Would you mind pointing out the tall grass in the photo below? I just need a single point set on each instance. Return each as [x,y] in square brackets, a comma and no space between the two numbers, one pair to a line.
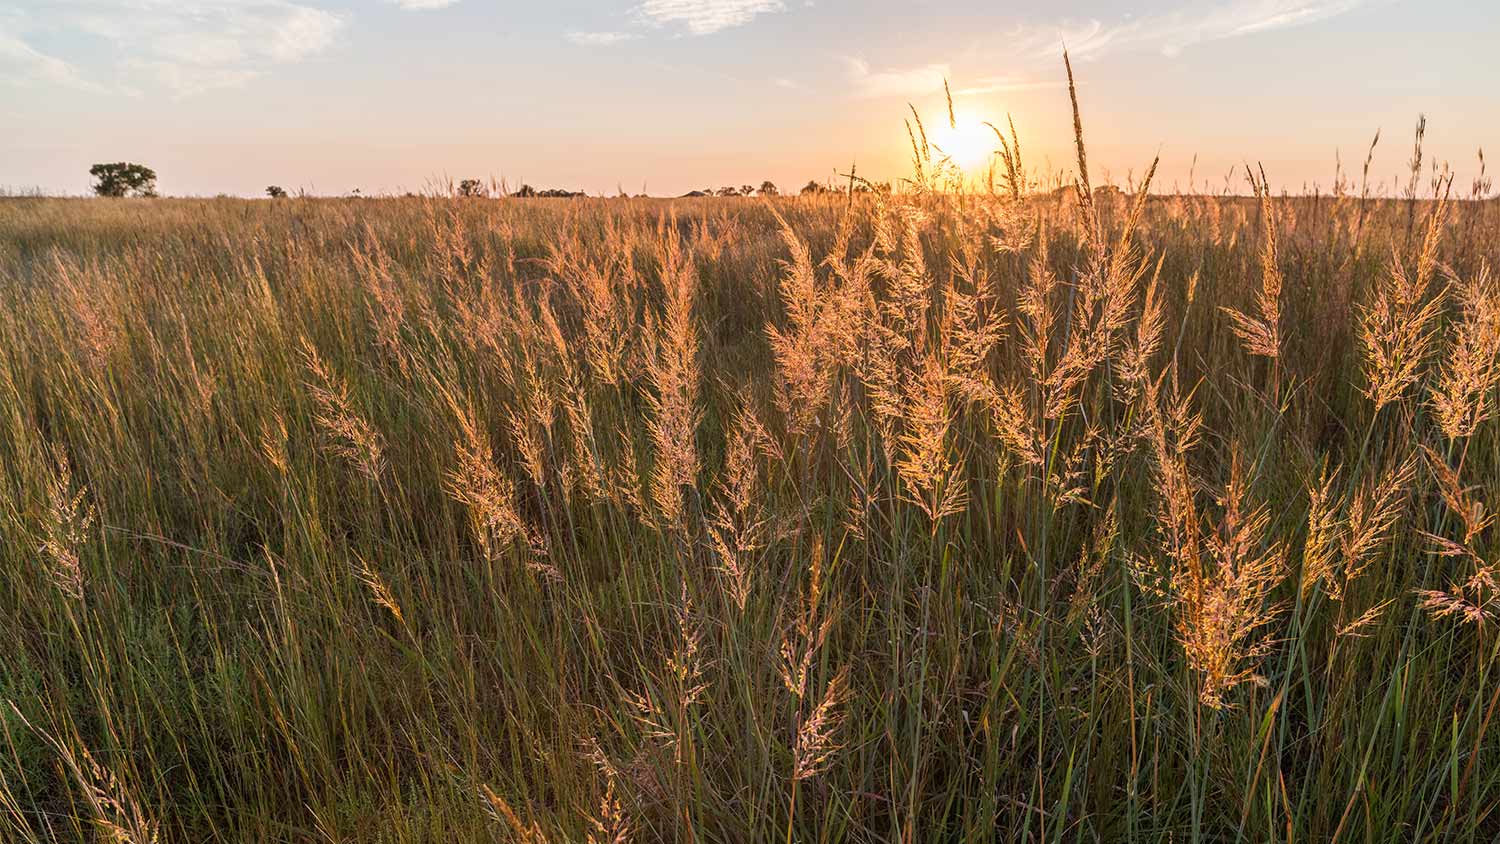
[943,515]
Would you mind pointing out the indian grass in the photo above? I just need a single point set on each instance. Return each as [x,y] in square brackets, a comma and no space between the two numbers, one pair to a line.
[944,514]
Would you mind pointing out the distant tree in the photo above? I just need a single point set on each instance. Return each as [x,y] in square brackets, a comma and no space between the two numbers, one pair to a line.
[559,193]
[747,190]
[276,192]
[813,187]
[728,191]
[768,188]
[524,191]
[123,179]
[472,187]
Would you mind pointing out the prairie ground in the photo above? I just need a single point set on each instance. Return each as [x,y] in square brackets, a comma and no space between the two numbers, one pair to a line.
[936,516]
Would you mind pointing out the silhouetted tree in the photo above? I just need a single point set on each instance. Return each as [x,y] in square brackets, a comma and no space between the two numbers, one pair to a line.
[472,187]
[276,192]
[768,188]
[524,191]
[747,190]
[814,187]
[728,191]
[123,179]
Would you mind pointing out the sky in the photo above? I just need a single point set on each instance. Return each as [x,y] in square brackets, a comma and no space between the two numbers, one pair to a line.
[666,96]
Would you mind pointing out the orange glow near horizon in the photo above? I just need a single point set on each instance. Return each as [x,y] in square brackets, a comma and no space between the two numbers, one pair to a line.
[967,142]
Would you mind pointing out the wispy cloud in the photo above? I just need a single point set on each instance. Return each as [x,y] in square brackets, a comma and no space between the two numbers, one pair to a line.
[1034,49]
[419,5]
[927,80]
[1002,84]
[704,17]
[187,80]
[186,46]
[1172,32]
[894,82]
[599,39]
[20,63]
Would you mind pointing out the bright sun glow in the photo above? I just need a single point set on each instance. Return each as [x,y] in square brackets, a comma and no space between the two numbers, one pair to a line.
[969,143]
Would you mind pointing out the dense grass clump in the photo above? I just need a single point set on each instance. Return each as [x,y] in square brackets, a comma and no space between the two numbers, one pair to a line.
[941,515]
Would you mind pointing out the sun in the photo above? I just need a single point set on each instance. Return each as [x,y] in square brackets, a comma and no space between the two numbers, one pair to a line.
[967,141]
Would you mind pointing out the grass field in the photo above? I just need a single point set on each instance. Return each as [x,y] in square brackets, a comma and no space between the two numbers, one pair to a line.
[941,516]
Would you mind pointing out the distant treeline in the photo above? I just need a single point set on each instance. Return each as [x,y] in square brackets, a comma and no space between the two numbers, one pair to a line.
[123,179]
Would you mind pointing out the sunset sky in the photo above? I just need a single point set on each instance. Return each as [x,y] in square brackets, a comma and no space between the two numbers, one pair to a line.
[670,95]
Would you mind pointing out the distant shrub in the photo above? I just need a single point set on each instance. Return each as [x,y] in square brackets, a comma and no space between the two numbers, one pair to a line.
[123,179]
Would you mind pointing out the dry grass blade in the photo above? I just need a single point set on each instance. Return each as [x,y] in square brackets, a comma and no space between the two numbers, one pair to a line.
[674,375]
[1261,334]
[815,743]
[349,434]
[1463,397]
[1397,327]
[65,527]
